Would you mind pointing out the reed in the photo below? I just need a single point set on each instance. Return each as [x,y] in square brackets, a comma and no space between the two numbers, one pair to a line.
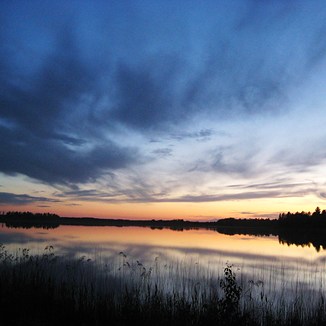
[49,289]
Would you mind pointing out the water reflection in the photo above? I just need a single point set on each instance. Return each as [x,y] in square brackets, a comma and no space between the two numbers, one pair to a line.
[229,240]
[259,258]
[302,237]
[299,237]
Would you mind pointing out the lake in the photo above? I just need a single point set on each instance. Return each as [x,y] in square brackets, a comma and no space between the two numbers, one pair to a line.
[200,252]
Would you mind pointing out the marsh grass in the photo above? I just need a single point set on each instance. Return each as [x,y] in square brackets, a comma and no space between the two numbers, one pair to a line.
[49,289]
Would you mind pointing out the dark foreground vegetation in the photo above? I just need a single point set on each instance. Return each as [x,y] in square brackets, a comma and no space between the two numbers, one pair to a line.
[51,290]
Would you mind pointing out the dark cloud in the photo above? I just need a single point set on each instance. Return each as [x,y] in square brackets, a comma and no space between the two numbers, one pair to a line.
[145,97]
[40,102]
[88,195]
[51,161]
[256,58]
[48,121]
[246,67]
[70,82]
[22,199]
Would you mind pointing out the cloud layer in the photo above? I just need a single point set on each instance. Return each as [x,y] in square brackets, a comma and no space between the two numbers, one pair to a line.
[103,95]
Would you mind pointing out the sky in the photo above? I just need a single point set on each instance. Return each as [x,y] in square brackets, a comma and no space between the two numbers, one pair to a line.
[163,109]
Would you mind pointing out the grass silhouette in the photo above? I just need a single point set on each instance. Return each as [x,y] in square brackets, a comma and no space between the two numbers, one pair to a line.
[48,289]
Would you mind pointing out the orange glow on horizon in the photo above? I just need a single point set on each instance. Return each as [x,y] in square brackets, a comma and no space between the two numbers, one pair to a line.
[205,211]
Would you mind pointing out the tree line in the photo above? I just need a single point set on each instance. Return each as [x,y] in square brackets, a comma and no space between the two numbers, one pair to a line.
[302,219]
[29,219]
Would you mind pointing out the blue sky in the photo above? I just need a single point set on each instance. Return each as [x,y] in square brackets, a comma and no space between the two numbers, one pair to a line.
[131,108]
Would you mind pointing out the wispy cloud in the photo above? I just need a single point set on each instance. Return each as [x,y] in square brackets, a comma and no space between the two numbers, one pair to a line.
[167,103]
[226,197]
[162,152]
[148,197]
[22,199]
[201,135]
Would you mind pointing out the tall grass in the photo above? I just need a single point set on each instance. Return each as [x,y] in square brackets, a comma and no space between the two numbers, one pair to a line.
[48,289]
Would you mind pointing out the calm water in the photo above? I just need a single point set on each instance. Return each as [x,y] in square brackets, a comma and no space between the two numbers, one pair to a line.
[204,251]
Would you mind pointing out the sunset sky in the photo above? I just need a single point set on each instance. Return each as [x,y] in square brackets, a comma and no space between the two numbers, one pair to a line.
[163,109]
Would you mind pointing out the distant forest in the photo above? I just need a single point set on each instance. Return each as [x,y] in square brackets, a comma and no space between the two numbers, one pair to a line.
[300,228]
[28,219]
[303,219]
[298,219]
